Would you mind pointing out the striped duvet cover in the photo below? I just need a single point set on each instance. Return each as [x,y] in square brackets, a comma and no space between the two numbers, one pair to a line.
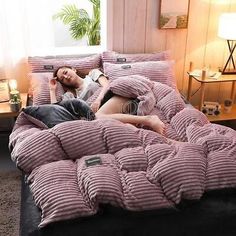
[77,165]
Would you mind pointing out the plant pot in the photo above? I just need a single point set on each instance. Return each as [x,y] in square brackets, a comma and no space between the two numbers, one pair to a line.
[227,109]
[228,105]
[15,106]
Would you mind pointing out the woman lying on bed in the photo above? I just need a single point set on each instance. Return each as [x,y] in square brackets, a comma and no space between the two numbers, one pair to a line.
[107,105]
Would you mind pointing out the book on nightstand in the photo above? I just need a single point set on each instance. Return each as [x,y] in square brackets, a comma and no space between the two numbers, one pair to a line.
[210,74]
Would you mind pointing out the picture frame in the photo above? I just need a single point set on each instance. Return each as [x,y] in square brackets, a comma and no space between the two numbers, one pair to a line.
[4,90]
[173,14]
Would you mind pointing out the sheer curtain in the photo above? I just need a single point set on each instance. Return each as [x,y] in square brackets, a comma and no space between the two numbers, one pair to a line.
[26,29]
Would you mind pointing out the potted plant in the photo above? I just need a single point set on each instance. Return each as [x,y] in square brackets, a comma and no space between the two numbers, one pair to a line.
[80,24]
[15,103]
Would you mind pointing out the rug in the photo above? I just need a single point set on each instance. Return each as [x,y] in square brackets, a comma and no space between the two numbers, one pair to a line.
[10,188]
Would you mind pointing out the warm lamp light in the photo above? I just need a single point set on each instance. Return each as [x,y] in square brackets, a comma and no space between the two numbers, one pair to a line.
[14,94]
[227,30]
[12,84]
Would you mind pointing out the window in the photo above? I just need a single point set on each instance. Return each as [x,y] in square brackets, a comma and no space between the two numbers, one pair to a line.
[50,36]
[28,30]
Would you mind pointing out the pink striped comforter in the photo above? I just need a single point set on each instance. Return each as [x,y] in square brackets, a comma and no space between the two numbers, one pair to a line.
[138,169]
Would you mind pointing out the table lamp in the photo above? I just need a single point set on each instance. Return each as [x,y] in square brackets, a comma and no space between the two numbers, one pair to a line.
[227,30]
[13,89]
[15,101]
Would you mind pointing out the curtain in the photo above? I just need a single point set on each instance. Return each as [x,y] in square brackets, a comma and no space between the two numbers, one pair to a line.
[26,29]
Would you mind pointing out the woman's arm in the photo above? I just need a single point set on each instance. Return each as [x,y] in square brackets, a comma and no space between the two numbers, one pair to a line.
[52,87]
[103,81]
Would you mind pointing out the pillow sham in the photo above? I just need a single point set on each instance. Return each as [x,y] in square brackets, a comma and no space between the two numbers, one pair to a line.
[53,114]
[50,64]
[159,71]
[39,88]
[115,57]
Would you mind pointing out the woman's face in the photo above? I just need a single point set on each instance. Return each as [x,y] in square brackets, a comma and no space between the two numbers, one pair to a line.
[67,76]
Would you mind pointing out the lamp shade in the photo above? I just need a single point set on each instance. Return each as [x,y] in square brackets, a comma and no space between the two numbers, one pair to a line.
[227,26]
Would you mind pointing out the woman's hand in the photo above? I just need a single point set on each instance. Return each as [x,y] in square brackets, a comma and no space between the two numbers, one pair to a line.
[95,105]
[52,87]
[53,84]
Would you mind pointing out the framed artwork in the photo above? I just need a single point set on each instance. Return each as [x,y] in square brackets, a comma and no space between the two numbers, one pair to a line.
[173,14]
[4,90]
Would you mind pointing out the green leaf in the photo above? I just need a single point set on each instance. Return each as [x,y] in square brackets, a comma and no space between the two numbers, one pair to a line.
[80,24]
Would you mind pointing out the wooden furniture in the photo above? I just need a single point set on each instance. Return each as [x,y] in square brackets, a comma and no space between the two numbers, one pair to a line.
[207,80]
[5,110]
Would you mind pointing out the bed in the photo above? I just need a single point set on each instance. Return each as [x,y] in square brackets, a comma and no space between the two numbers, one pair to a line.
[114,178]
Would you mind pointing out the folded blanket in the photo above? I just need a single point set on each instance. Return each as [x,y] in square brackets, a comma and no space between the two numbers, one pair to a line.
[68,110]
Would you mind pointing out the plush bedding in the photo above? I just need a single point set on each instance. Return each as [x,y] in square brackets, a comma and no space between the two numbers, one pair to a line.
[76,166]
[151,69]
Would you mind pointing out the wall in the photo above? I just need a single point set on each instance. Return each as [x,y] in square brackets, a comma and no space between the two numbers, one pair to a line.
[135,29]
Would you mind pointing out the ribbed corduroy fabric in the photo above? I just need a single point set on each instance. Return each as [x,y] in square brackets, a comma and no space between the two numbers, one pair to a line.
[136,169]
[115,57]
[82,64]
[159,71]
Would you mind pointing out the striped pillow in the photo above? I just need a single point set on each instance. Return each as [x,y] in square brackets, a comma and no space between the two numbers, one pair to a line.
[131,86]
[39,88]
[135,86]
[115,57]
[159,71]
[50,64]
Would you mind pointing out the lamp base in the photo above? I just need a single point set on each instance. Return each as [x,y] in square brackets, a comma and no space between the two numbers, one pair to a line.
[228,72]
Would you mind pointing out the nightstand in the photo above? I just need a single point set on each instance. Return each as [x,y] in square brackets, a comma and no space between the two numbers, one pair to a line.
[5,110]
[222,79]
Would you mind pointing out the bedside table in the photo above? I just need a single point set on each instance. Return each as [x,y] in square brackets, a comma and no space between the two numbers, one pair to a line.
[222,79]
[5,110]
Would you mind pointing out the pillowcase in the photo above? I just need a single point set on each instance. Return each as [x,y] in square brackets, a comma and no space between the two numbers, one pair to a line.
[39,88]
[53,114]
[114,57]
[50,64]
[159,71]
